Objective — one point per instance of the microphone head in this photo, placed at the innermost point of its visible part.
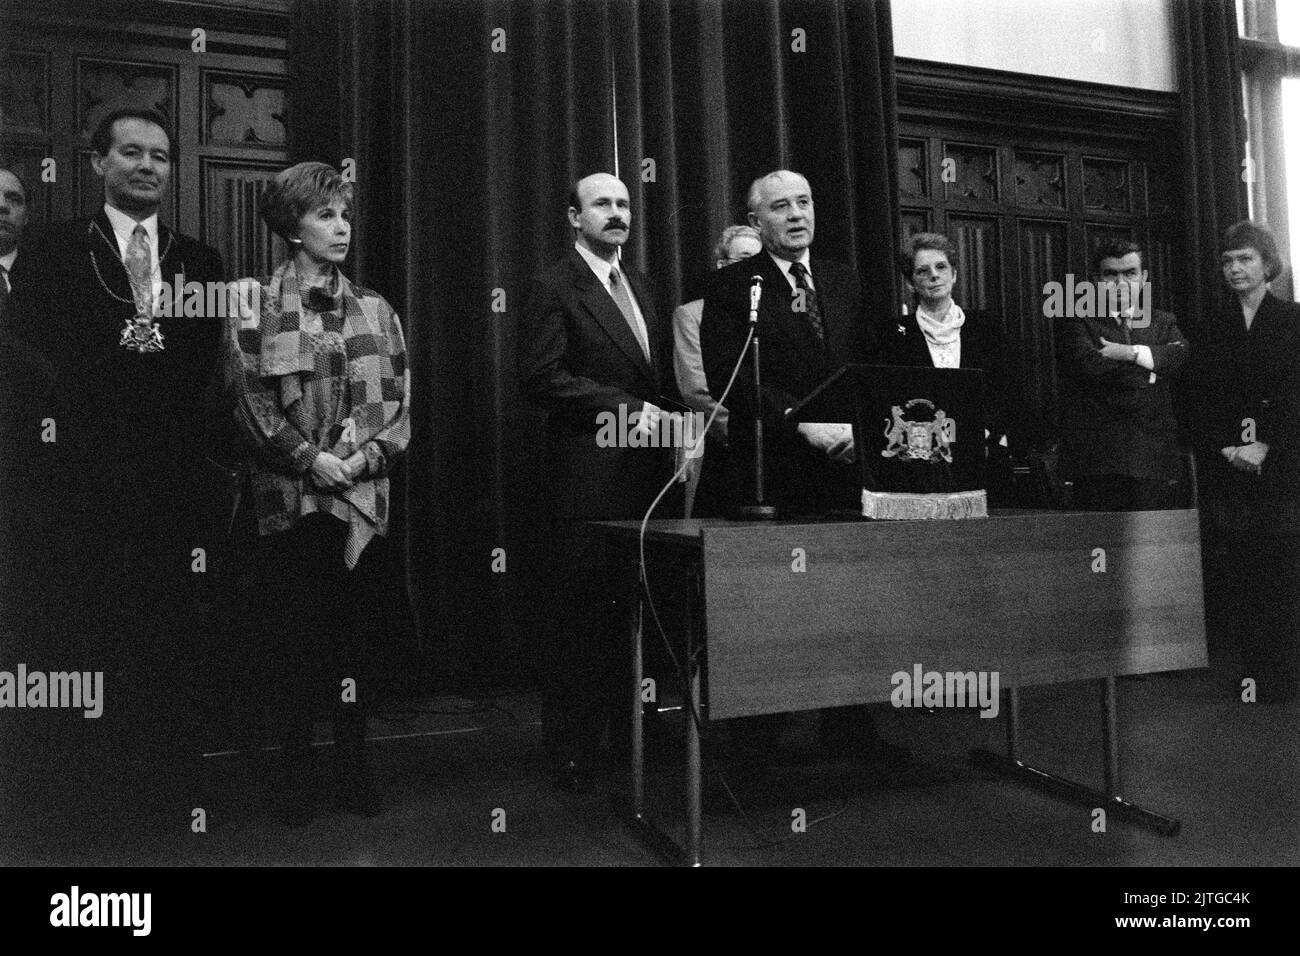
(755, 280)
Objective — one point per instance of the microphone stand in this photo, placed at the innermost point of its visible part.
(757, 510)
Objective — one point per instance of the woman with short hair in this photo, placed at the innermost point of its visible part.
(940, 334)
(319, 375)
(1248, 438)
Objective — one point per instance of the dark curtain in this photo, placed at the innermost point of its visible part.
(464, 155)
(1213, 148)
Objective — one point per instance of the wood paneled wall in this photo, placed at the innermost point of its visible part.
(64, 66)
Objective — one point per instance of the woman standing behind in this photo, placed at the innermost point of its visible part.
(322, 393)
(1248, 436)
(941, 335)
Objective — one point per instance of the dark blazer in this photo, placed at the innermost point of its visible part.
(579, 360)
(1255, 375)
(73, 298)
(26, 386)
(981, 348)
(1114, 420)
(798, 477)
(129, 481)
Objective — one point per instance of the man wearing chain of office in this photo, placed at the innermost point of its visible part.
(132, 435)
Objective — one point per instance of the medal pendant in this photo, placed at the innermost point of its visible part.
(141, 334)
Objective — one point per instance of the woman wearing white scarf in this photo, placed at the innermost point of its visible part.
(941, 335)
(931, 275)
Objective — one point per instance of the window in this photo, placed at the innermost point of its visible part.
(1270, 57)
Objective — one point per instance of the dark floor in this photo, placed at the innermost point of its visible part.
(1229, 771)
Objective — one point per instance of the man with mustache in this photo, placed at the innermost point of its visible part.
(131, 431)
(592, 347)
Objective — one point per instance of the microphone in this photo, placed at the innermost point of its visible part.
(755, 296)
(758, 509)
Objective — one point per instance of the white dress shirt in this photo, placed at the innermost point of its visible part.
(123, 226)
(784, 266)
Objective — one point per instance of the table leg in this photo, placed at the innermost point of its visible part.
(638, 729)
(1012, 766)
(693, 775)
(1013, 723)
(1110, 737)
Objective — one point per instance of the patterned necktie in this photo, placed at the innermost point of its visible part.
(618, 289)
(810, 300)
(140, 269)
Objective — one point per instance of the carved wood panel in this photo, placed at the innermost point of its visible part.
(244, 110)
(913, 173)
(106, 85)
(231, 224)
(970, 172)
(60, 78)
(914, 221)
(1044, 249)
(24, 94)
(1106, 185)
(979, 266)
(1040, 179)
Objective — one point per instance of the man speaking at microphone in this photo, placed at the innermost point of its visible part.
(809, 323)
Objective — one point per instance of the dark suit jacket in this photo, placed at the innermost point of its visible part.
(73, 300)
(981, 348)
(1114, 420)
(579, 360)
(1255, 375)
(798, 478)
(26, 382)
(129, 478)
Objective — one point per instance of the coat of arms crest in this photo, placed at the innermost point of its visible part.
(922, 438)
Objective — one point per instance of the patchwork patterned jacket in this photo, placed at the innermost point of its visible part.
(324, 372)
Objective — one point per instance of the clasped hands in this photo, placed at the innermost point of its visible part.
(337, 474)
(834, 438)
(1247, 458)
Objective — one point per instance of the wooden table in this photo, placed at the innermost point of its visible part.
(805, 616)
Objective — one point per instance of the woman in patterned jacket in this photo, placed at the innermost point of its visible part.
(318, 372)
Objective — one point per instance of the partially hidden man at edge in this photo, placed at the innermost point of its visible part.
(130, 470)
(592, 346)
(24, 373)
(1120, 434)
(13, 220)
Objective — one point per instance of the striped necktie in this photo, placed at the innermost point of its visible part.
(811, 304)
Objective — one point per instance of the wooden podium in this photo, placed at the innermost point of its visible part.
(1038, 597)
